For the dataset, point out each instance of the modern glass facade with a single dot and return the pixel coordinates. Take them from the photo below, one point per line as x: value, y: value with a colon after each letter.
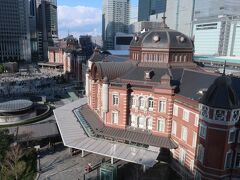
x: 149, y: 7
x: 14, y: 31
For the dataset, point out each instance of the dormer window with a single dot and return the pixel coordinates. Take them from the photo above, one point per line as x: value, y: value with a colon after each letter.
x: 182, y: 39
x: 136, y: 38
x: 149, y: 74
x: 202, y: 91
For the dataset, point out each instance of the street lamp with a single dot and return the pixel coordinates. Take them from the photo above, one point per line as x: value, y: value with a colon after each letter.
x: 38, y: 159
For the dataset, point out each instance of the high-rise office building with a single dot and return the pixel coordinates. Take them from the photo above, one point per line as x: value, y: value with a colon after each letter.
x: 14, y: 31
x: 179, y: 13
x: 215, y: 8
x: 115, y: 18
x: 217, y: 27
x: 149, y: 7
x: 217, y: 36
x: 47, y: 26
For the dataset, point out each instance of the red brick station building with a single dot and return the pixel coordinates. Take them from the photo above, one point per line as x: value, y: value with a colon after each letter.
x: 154, y: 101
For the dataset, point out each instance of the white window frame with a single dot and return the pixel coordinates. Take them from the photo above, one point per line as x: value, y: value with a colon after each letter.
x: 184, y: 133
x: 149, y: 120
x: 162, y: 103
x: 175, y: 110
x: 185, y: 115
x: 192, y: 165
x: 142, y: 125
x: 194, y: 139
x: 203, y: 133
x: 174, y: 127
x: 133, y: 120
x: 228, y: 166
x: 196, y: 120
x: 200, y: 153
x: 115, y: 99
x: 182, y: 156
x: 161, y: 121
x: 150, y: 104
x: 231, y: 131
x: 235, y: 163
x: 113, y: 120
x: 141, y: 102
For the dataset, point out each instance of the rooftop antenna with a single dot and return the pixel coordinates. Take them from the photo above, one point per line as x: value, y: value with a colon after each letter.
x: 164, y: 18
x: 163, y: 23
x: 224, y: 68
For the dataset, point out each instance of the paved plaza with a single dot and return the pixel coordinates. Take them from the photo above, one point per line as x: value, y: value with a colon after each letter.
x: 62, y: 166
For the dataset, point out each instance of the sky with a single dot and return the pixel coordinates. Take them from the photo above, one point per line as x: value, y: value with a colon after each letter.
x: 80, y: 17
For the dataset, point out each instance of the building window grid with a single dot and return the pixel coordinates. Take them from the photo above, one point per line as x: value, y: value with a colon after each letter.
x: 174, y: 127
x: 150, y: 104
x: 162, y: 105
x: 237, y: 161
x: 196, y: 120
x: 231, y: 136
x: 141, y: 103
x: 115, y: 99
x: 185, y: 115
x: 194, y: 142
x: 200, y: 153
x: 184, y: 133
x: 182, y: 156
x: 228, y: 159
x: 161, y: 124
x: 175, y: 110
x: 114, y: 117
x: 202, y: 131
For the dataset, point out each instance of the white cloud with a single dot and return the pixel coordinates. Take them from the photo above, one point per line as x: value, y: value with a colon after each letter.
x: 79, y: 20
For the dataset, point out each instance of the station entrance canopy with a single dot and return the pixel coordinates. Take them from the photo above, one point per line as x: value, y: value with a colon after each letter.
x: 74, y: 136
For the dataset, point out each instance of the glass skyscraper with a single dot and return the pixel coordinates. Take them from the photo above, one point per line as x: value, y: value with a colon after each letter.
x: 14, y: 31
x: 149, y: 7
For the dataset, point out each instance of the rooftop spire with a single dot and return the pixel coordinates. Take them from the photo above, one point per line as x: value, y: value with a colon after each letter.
x: 163, y: 23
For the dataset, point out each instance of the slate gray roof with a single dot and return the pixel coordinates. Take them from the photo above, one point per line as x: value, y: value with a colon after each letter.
x: 112, y: 70
x: 192, y: 82
x: 129, y: 135
x: 221, y: 94
x: 74, y: 136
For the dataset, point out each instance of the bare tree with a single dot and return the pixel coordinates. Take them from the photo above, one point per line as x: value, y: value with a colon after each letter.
x: 12, y: 163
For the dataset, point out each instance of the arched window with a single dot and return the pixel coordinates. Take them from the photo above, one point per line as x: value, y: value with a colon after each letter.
x: 150, y: 104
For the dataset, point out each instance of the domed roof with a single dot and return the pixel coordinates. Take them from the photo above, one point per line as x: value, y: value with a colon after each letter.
x: 221, y: 94
x: 162, y: 38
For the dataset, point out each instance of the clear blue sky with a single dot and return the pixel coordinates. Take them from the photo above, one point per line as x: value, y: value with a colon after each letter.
x: 79, y: 17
